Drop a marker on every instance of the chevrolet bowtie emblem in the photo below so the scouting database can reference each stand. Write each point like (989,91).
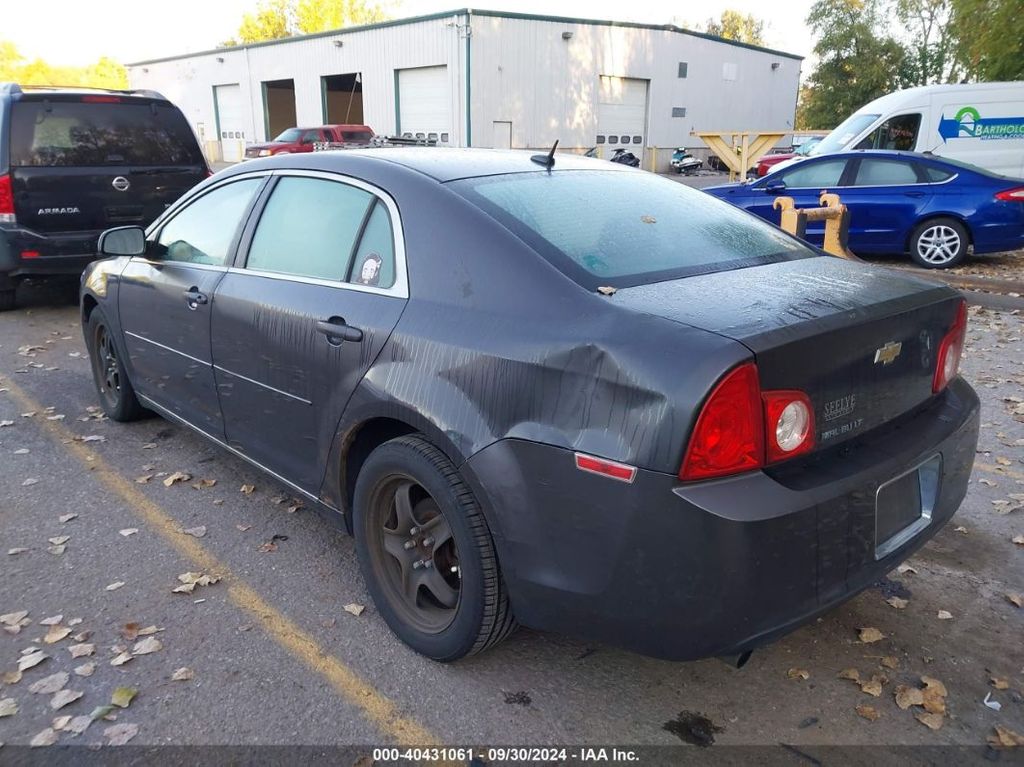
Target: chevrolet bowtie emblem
(888,353)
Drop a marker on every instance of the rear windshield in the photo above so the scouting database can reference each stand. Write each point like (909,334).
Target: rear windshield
(57,133)
(627,228)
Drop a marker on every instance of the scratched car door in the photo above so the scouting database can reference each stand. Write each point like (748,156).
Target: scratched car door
(297,325)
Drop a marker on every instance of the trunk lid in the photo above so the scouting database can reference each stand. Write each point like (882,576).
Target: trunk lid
(86,163)
(860,341)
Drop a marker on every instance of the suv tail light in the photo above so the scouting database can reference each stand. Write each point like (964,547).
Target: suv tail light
(947,363)
(1011,195)
(6,201)
(741,428)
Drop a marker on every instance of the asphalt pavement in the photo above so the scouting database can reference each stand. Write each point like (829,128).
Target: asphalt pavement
(94,531)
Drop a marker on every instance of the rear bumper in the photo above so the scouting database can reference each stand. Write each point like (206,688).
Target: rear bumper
(64,253)
(712,568)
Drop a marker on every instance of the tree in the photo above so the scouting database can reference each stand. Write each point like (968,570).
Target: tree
(932,54)
(989,39)
(733,25)
(275,19)
(857,62)
(105,73)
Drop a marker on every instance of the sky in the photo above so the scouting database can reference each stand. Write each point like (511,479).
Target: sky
(133,30)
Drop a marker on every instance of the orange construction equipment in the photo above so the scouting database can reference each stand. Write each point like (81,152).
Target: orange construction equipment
(835,215)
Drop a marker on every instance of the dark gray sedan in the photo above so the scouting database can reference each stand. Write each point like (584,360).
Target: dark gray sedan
(574,396)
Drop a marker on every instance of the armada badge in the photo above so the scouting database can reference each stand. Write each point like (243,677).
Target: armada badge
(888,353)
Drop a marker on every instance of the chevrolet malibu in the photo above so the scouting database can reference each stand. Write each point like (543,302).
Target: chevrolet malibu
(546,390)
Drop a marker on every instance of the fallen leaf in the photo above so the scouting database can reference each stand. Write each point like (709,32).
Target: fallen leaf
(122,696)
(144,479)
(182,674)
(52,620)
(66,518)
(8,707)
(102,712)
(798,673)
(128,531)
(897,602)
(1005,737)
(1017,600)
(145,632)
(960,529)
(13,619)
(190,580)
(203,484)
(91,438)
(242,528)
(890,661)
(10,677)
(4,424)
(945,615)
(55,634)
(355,608)
(121,659)
(905,568)
(930,720)
(267,547)
(60,539)
(870,634)
(149,446)
(86,669)
(120,734)
(873,686)
(57,550)
(195,532)
(16,550)
(1000,683)
(146,646)
(78,724)
(25,662)
(81,650)
(606,290)
(868,712)
(46,738)
(1018,539)
(49,684)
(29,482)
(908,696)
(247,489)
(63,698)
(849,673)
(115,586)
(60,722)
(178,476)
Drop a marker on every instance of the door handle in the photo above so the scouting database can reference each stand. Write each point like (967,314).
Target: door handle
(193,297)
(914,194)
(337,330)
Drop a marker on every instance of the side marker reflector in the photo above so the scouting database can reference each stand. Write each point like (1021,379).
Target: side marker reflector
(595,465)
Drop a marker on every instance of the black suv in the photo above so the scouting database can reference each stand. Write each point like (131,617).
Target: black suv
(75,161)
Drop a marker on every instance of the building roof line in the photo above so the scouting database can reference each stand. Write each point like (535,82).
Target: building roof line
(465,12)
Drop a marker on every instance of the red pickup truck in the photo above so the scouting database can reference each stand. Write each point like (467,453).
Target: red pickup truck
(302,139)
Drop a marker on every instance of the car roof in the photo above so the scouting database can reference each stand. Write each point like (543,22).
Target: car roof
(450,163)
(44,91)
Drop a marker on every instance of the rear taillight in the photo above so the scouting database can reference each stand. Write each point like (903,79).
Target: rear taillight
(1011,195)
(947,364)
(741,428)
(6,201)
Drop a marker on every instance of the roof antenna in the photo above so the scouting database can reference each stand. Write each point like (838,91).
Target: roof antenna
(547,160)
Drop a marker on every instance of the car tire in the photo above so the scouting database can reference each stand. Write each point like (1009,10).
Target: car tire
(115,391)
(411,507)
(8,299)
(939,243)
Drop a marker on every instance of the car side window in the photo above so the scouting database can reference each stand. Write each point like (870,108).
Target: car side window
(311,137)
(896,133)
(202,232)
(374,263)
(937,174)
(878,172)
(309,228)
(814,175)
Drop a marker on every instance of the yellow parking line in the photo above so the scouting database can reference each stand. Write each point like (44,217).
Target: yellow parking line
(998,470)
(377,708)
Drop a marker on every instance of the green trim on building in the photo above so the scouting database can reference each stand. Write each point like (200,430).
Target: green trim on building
(475,12)
(469,79)
(216,111)
(398,107)
(323,97)
(266,112)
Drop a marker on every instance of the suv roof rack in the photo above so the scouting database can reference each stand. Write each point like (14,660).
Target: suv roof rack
(15,88)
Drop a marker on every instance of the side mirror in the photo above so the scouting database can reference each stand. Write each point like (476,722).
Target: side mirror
(122,241)
(775,187)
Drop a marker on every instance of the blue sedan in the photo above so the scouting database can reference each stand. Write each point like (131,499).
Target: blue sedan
(900,202)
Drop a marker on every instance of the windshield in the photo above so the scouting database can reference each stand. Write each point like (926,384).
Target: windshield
(847,130)
(86,133)
(805,148)
(291,135)
(627,228)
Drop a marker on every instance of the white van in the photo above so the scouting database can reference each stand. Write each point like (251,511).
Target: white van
(980,123)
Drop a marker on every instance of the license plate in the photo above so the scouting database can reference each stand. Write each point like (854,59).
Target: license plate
(904,506)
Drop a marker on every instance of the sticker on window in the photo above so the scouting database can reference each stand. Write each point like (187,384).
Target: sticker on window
(369,272)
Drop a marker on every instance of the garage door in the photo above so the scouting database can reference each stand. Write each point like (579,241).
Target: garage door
(622,115)
(425,103)
(230,121)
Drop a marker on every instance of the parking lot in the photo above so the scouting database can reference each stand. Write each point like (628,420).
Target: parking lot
(102,520)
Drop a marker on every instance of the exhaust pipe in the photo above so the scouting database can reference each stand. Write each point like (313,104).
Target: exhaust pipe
(736,661)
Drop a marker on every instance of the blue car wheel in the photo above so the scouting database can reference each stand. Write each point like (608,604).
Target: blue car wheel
(939,243)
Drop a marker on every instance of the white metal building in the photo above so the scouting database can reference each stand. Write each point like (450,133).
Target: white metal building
(484,78)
